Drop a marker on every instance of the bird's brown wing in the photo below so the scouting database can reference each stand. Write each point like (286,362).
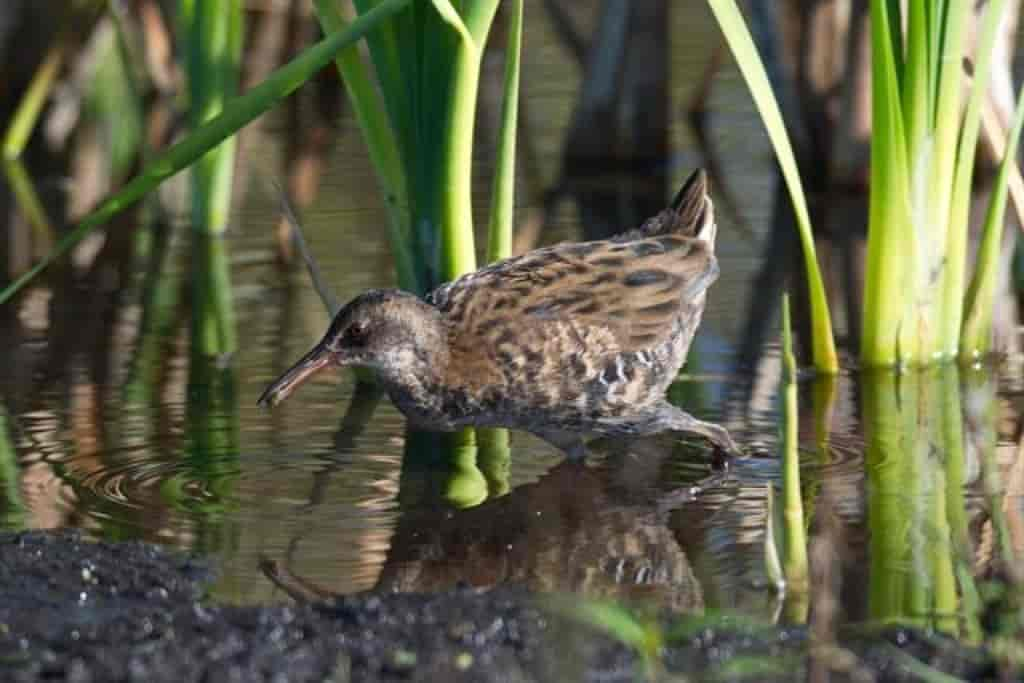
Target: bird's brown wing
(631,289)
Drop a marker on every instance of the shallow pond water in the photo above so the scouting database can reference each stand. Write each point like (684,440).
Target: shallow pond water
(333,485)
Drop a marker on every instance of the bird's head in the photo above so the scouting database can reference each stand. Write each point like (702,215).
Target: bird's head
(388,331)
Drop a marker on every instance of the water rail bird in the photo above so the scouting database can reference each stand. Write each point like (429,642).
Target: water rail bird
(571,340)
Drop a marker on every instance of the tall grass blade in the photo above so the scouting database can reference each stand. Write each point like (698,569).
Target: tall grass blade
(917,83)
(953,301)
(995,137)
(730,20)
(237,113)
(940,281)
(396,72)
(976,336)
(887,293)
(24,120)
(28,201)
(499,234)
(214,42)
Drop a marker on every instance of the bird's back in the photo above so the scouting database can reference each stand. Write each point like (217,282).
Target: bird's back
(577,331)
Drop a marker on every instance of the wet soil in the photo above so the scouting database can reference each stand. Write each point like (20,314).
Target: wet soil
(77,610)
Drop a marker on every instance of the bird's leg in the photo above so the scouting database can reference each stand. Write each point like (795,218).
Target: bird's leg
(671,417)
(568,443)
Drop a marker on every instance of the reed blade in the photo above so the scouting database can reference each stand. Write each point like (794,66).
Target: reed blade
(736,33)
(976,336)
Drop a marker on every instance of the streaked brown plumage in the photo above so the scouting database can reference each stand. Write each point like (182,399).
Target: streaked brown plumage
(568,340)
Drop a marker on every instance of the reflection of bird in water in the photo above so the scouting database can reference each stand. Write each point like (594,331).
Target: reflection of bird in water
(593,530)
(568,340)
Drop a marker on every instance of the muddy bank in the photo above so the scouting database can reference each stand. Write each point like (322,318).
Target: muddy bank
(73,610)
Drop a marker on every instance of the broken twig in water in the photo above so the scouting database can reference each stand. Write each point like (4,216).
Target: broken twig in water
(328,298)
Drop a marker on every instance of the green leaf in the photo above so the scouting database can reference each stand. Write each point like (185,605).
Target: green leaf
(886,292)
(645,637)
(976,337)
(963,174)
(730,20)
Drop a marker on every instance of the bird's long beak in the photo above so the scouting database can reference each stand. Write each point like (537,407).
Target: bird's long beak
(313,362)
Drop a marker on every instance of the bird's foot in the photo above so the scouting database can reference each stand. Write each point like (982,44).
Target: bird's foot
(725,446)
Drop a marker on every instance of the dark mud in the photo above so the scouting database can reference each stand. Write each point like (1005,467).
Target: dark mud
(74,610)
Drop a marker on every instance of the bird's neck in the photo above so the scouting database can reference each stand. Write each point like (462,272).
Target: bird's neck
(416,372)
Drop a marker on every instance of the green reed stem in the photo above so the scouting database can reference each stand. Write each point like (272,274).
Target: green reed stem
(24,120)
(885,284)
(214,42)
(499,234)
(923,151)
(976,335)
(943,223)
(28,201)
(953,293)
(458,253)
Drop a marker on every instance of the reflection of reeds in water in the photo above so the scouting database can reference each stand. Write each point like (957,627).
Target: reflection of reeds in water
(916,508)
(12,513)
(786,539)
